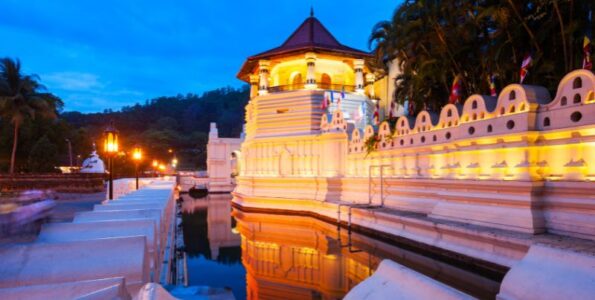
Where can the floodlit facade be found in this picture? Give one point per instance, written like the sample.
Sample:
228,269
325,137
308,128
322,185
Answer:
487,179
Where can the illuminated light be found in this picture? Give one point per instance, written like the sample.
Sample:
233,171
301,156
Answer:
155,164
137,153
161,167
110,144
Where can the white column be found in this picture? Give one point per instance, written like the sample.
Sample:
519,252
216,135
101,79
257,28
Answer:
370,78
254,85
311,73
263,71
358,65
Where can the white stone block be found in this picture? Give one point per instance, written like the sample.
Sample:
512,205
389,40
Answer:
394,281
107,288
40,263
551,273
69,232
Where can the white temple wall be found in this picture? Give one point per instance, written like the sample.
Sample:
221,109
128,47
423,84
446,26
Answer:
447,168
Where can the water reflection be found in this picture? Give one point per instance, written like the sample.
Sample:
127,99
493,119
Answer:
214,253
294,257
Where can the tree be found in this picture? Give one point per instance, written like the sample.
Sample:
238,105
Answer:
435,41
43,156
22,97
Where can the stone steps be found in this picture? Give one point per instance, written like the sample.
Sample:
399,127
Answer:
110,252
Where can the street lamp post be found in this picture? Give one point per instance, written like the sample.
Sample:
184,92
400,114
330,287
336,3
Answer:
110,147
137,155
155,166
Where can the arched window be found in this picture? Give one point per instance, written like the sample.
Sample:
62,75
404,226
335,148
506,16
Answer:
474,104
297,79
325,81
563,101
512,95
577,98
577,83
546,122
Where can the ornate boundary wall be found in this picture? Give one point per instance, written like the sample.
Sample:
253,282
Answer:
519,162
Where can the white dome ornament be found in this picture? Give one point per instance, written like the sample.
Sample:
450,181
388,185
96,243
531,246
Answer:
93,164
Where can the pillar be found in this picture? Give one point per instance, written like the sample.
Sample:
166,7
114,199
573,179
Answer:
263,71
254,85
370,78
311,73
358,65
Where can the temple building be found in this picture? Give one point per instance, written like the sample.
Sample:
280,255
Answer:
309,67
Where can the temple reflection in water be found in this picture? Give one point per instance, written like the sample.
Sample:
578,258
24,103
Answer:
299,257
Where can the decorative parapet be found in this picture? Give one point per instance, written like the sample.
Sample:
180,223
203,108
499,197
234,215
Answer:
514,110
521,116
337,122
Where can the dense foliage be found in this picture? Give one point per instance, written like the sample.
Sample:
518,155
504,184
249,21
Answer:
433,41
22,98
179,123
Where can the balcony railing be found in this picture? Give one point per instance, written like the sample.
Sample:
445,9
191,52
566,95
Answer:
302,86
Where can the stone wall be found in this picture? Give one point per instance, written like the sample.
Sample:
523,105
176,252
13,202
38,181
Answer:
76,183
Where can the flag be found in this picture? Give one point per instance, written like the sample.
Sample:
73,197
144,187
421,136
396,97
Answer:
332,97
455,90
587,63
411,107
525,66
377,114
325,102
391,111
492,81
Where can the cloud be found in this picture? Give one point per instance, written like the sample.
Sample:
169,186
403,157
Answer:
72,81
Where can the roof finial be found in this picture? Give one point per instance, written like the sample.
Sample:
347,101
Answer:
311,11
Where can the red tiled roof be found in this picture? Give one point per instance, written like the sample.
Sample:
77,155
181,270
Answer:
311,35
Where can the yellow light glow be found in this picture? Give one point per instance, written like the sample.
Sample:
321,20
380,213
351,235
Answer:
111,143
161,167
137,154
155,164
174,161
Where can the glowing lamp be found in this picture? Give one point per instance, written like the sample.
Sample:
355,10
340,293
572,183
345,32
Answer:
137,153
110,142
110,147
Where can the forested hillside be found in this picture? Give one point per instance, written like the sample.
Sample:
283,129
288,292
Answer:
180,123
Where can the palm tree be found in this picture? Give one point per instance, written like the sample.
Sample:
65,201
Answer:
22,98
435,41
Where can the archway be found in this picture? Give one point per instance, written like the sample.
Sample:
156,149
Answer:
325,81
296,80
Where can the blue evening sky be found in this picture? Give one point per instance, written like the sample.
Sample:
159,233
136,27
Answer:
110,53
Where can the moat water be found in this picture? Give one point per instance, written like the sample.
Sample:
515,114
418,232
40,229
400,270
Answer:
275,256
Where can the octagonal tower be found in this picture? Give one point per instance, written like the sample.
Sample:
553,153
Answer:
290,82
